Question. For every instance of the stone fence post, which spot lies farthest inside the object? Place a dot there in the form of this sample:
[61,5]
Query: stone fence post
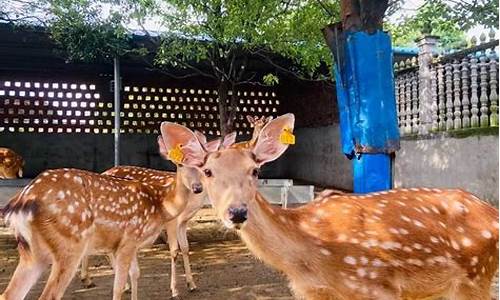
[427,46]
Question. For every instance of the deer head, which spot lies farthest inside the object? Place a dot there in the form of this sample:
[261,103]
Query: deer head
[229,175]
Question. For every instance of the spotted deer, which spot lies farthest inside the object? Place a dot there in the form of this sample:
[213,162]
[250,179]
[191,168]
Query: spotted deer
[257,124]
[417,243]
[187,180]
[11,164]
[66,213]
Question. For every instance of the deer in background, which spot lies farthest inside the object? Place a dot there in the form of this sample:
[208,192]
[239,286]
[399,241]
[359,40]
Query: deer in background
[186,179]
[398,244]
[65,214]
[257,124]
[11,164]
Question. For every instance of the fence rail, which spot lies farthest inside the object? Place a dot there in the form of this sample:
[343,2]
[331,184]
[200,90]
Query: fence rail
[452,91]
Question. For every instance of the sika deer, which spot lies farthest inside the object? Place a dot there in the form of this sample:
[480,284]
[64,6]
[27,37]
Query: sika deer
[64,214]
[397,244]
[258,124]
[187,179]
[11,164]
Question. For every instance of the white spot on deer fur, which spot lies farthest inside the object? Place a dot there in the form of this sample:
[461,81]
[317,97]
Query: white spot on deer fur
[414,261]
[325,252]
[407,249]
[444,204]
[417,246]
[405,218]
[354,241]
[442,224]
[78,179]
[434,209]
[377,263]
[418,223]
[60,195]
[486,234]
[390,245]
[350,260]
[342,237]
[363,260]
[483,270]
[393,230]
[403,231]
[466,242]
[440,259]
[455,245]
[401,203]
[361,272]
[373,275]
[434,239]
[474,260]
[71,209]
[427,250]
[54,208]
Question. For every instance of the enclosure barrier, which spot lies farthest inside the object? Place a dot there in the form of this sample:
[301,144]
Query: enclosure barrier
[450,91]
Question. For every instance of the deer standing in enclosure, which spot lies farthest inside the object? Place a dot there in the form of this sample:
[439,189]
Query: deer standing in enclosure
[189,179]
[64,214]
[398,244]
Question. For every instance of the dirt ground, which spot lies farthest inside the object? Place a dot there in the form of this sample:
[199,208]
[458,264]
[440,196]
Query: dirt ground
[222,266]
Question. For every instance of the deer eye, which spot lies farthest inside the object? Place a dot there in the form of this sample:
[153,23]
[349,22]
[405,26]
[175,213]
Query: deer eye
[255,172]
[207,172]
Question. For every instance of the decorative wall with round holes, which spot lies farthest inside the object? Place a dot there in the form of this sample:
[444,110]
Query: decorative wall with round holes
[145,107]
[47,106]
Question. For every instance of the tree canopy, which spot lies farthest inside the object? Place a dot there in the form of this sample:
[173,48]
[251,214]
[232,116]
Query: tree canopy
[217,38]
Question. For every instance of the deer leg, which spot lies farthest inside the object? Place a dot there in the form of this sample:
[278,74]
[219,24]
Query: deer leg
[173,245]
[184,245]
[124,257]
[134,273]
[84,273]
[64,267]
[26,275]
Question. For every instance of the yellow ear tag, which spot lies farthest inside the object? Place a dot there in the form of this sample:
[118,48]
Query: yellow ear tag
[176,155]
[287,137]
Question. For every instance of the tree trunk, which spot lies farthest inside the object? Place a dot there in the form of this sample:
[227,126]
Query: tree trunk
[223,111]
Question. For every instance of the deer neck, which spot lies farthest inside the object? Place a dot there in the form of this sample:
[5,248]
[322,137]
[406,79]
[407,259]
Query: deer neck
[271,234]
[175,198]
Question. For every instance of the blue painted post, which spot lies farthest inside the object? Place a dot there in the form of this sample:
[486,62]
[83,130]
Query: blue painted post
[367,106]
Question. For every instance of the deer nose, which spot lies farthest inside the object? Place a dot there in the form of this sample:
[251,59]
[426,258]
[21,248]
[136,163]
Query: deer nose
[238,215]
[197,188]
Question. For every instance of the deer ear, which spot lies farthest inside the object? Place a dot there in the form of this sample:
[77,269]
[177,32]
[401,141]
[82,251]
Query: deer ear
[270,145]
[162,148]
[250,119]
[181,145]
[201,137]
[212,146]
[229,139]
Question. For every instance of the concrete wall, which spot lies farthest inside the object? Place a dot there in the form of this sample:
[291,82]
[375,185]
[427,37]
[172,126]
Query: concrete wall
[83,151]
[316,158]
[470,163]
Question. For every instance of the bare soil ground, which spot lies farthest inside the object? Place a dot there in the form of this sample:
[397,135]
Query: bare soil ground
[223,269]
[222,266]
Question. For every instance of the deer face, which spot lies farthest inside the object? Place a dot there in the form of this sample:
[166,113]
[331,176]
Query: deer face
[229,175]
[190,178]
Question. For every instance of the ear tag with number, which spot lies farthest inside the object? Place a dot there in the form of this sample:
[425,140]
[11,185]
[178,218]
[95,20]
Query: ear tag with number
[287,137]
[176,155]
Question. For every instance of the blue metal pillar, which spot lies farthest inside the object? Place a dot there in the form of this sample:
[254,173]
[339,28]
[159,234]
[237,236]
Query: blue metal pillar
[367,106]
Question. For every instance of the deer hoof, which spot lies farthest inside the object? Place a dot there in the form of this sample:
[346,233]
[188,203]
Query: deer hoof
[191,286]
[127,288]
[88,284]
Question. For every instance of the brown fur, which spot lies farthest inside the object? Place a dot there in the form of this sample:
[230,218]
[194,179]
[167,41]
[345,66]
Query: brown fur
[176,229]
[80,212]
[11,164]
